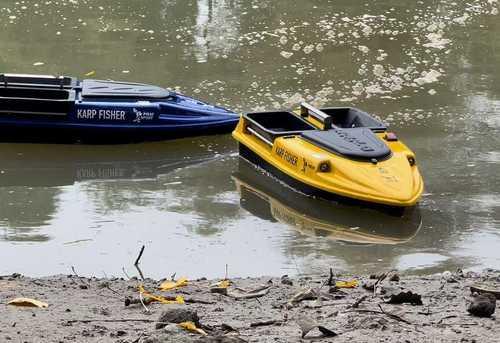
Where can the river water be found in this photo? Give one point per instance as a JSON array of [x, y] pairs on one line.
[[429, 69]]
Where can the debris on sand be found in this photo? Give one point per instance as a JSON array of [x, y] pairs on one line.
[[177, 315], [482, 305], [259, 310], [258, 292], [304, 294], [405, 297], [221, 339], [169, 285], [27, 302], [485, 289], [285, 280], [191, 327], [307, 324]]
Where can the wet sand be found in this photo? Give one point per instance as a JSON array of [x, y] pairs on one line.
[[107, 310]]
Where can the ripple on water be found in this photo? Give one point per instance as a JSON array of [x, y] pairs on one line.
[[489, 157], [485, 202]]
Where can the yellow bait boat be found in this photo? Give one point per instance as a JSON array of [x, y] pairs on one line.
[[332, 153]]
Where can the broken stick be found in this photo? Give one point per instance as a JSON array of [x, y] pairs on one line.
[[139, 257]]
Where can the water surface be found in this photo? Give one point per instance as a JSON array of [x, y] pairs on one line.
[[430, 69]]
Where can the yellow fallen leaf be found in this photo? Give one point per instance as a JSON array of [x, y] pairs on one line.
[[28, 302], [224, 284], [168, 285], [190, 326], [221, 284], [346, 284], [90, 73], [178, 299]]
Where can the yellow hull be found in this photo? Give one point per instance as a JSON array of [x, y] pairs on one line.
[[392, 181]]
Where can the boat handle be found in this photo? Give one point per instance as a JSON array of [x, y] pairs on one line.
[[307, 109], [258, 135]]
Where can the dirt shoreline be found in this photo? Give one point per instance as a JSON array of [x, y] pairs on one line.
[[94, 310]]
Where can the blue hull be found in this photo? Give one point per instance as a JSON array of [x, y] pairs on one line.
[[40, 131], [36, 108]]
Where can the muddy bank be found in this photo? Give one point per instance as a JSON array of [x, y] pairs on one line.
[[250, 310]]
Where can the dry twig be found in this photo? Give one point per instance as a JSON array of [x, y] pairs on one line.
[[82, 280], [265, 323], [140, 255], [136, 264], [357, 302]]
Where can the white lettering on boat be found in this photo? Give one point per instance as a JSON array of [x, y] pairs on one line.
[[111, 115], [100, 114], [86, 114]]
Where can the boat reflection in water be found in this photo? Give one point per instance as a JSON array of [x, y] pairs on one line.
[[33, 177], [60, 165], [269, 199]]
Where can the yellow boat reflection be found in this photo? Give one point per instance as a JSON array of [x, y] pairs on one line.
[[270, 199]]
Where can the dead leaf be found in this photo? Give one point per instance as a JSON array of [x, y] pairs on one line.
[[27, 302], [220, 287], [178, 299], [347, 284], [190, 326], [221, 284], [224, 284], [168, 285]]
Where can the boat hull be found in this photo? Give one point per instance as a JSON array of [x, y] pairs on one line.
[[67, 132]]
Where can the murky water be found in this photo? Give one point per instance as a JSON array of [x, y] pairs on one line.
[[430, 69]]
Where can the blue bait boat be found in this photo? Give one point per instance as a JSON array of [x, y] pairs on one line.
[[49, 108]]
